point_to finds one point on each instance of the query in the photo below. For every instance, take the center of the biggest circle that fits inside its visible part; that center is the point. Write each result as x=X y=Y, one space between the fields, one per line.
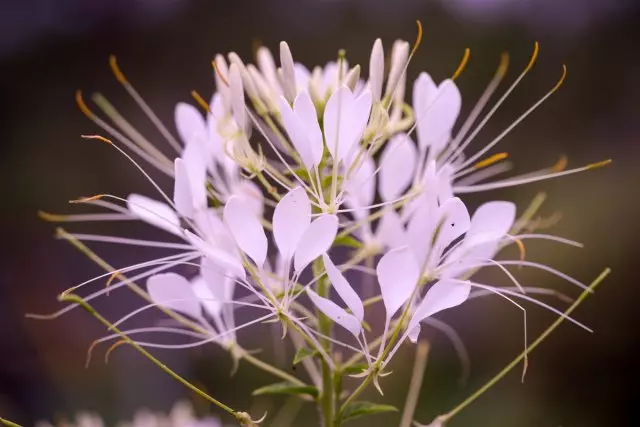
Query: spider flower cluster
x=286 y=165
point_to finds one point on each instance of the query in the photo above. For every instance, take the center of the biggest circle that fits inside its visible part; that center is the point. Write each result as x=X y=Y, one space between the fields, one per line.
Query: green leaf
x=287 y=388
x=357 y=409
x=357 y=368
x=303 y=353
x=348 y=241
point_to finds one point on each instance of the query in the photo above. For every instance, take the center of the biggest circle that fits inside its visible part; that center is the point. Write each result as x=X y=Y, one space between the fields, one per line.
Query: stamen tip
x=113 y=63
x=87 y=199
x=599 y=164
x=98 y=137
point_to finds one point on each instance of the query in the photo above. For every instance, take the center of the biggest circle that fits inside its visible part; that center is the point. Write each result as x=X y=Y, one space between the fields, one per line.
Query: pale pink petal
x=308 y=119
x=227 y=261
x=376 y=70
x=246 y=229
x=454 y=221
x=390 y=231
x=357 y=119
x=211 y=304
x=336 y=313
x=154 y=212
x=361 y=187
x=343 y=288
x=492 y=219
x=424 y=92
x=291 y=218
x=442 y=295
x=398 y=275
x=337 y=121
x=316 y=240
x=297 y=133
x=173 y=291
x=251 y=194
x=194 y=157
x=190 y=123
x=398 y=163
x=182 y=195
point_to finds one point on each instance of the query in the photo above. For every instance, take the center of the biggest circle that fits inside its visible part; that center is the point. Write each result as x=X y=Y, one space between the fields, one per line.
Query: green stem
x=419 y=365
x=77 y=300
x=9 y=423
x=446 y=417
x=324 y=327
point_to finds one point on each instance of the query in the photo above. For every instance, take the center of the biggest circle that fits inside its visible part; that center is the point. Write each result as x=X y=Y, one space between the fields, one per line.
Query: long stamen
x=531 y=109
x=162 y=166
x=128 y=241
x=463 y=64
x=519 y=181
x=500 y=101
x=144 y=173
x=84 y=217
x=501 y=71
x=143 y=105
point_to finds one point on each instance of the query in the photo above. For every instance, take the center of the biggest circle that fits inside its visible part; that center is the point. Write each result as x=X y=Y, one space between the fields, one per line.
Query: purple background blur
x=48 y=49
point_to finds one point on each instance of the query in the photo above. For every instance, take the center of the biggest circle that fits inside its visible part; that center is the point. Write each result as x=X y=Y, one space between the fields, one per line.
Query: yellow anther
x=200 y=101
x=599 y=164
x=116 y=70
x=463 y=63
x=51 y=217
x=87 y=199
x=98 y=137
x=416 y=44
x=83 y=106
x=490 y=160
x=217 y=70
x=534 y=56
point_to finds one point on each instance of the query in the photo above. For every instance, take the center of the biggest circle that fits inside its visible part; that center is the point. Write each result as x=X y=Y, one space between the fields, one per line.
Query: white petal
x=343 y=288
x=303 y=75
x=225 y=260
x=210 y=303
x=297 y=134
x=308 y=118
x=173 y=291
x=182 y=196
x=390 y=231
x=194 y=157
x=237 y=97
x=357 y=121
x=361 y=187
x=291 y=218
x=398 y=162
x=189 y=122
x=398 y=276
x=442 y=295
x=492 y=219
x=424 y=92
x=154 y=212
x=335 y=313
x=345 y=118
x=436 y=112
x=250 y=193
x=454 y=220
x=376 y=70
x=246 y=229
x=288 y=72
x=316 y=240
x=414 y=333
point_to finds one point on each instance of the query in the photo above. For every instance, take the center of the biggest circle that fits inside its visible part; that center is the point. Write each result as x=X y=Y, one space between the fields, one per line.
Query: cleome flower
x=284 y=169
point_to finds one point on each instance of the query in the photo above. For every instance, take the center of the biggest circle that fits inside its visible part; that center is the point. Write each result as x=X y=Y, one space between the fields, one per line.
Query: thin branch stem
x=417 y=376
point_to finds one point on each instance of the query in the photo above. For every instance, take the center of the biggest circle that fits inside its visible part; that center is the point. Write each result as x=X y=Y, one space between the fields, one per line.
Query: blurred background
x=48 y=49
